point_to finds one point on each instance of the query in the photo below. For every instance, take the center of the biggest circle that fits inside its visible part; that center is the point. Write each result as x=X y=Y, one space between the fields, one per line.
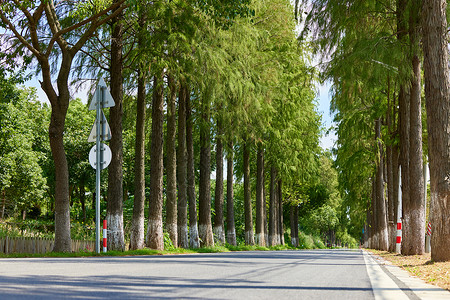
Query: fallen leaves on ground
x=436 y=273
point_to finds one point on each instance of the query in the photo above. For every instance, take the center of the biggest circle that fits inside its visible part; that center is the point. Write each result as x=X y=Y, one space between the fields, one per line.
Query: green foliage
x=28 y=228
x=168 y=245
x=85 y=9
x=366 y=52
x=82 y=231
x=347 y=239
x=21 y=175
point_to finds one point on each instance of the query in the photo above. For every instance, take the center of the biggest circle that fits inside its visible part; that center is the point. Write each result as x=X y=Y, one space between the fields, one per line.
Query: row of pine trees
x=231 y=74
x=380 y=55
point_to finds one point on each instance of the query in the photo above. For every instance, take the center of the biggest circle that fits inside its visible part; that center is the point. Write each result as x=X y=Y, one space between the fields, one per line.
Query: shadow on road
x=125 y=287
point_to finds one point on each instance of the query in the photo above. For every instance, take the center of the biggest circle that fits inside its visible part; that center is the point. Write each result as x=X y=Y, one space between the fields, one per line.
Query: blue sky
x=324 y=98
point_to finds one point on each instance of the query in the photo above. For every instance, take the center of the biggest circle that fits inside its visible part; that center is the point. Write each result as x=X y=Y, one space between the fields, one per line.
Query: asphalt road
x=317 y=274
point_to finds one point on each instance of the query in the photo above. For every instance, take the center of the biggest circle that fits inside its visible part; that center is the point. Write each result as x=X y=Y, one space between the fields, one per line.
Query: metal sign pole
x=97 y=173
x=100 y=155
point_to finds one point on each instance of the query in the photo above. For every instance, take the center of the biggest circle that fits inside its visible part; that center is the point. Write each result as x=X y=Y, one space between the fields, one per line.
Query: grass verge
x=146 y=251
x=436 y=273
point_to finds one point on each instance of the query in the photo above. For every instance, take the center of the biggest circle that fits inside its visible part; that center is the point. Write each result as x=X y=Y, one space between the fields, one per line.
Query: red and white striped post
x=428 y=239
x=399 y=237
x=104 y=236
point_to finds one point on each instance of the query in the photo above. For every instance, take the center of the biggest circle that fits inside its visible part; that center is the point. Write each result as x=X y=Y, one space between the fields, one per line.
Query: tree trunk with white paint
x=249 y=238
x=155 y=238
x=137 y=234
x=219 y=231
x=183 y=240
x=437 y=93
x=193 y=229
x=171 y=161
x=231 y=231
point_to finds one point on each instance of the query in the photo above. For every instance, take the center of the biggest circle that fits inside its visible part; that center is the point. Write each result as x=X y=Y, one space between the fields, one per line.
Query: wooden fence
x=38 y=245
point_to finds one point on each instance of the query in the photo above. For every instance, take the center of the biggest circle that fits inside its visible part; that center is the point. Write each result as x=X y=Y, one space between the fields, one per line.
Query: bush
x=318 y=243
x=168 y=245
x=82 y=231
x=305 y=241
x=27 y=228
x=347 y=240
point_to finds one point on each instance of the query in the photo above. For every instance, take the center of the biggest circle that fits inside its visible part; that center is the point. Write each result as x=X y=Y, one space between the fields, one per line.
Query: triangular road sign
x=101 y=94
x=105 y=131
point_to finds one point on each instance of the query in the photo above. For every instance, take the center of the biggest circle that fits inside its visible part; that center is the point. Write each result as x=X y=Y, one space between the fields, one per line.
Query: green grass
x=146 y=251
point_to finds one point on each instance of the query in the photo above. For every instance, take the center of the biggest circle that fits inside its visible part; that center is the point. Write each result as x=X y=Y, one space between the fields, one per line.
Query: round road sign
x=107 y=155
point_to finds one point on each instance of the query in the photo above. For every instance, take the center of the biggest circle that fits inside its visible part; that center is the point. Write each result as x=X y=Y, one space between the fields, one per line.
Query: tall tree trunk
x=62 y=202
x=231 y=231
x=280 y=212
x=183 y=240
x=435 y=43
x=137 y=234
x=204 y=201
x=390 y=173
x=219 y=230
x=403 y=99
x=171 y=169
x=249 y=238
x=294 y=225
x=273 y=220
x=60 y=105
x=155 y=239
x=404 y=153
x=413 y=242
x=260 y=235
x=114 y=210
x=382 y=227
x=414 y=214
x=193 y=229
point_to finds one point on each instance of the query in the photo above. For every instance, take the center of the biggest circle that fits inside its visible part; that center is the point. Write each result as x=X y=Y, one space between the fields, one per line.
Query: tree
x=155 y=239
x=260 y=202
x=171 y=168
x=435 y=37
x=231 y=229
x=193 y=227
x=182 y=167
x=204 y=202
x=22 y=179
x=114 y=211
x=380 y=212
x=249 y=237
x=413 y=241
x=355 y=33
x=42 y=48
x=137 y=224
x=219 y=230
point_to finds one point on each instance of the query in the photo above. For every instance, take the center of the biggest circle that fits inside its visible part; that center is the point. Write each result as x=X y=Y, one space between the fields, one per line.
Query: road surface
x=312 y=274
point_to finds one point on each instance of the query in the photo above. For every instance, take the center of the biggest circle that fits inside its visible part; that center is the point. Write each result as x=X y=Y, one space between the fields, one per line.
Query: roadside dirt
x=436 y=273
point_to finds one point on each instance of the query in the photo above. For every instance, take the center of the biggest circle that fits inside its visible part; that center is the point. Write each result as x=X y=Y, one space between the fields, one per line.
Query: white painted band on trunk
x=219 y=234
x=193 y=237
x=294 y=241
x=115 y=233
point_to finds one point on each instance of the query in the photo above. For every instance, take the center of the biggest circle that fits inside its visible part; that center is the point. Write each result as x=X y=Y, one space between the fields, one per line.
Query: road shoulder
x=418 y=287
